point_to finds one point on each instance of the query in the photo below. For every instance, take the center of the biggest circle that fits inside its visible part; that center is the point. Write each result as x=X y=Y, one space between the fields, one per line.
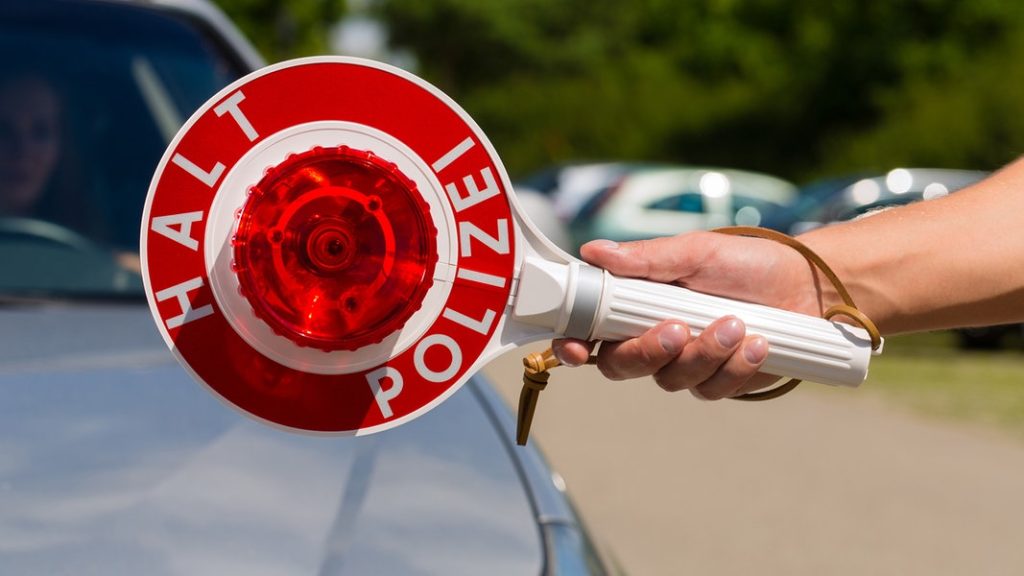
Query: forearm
x=954 y=261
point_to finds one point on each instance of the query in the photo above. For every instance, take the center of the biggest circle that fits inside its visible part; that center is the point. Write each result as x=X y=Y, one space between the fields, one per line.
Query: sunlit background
x=656 y=117
x=797 y=89
x=619 y=120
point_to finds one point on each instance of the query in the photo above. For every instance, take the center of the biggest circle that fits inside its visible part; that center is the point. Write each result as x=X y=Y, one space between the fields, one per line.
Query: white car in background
x=572 y=185
x=669 y=201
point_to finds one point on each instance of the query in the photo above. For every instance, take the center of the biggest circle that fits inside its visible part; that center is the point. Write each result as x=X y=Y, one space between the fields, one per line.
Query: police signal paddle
x=332 y=245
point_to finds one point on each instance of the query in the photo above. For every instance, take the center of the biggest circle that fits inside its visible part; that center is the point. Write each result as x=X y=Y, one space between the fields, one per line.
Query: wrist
x=859 y=271
x=812 y=293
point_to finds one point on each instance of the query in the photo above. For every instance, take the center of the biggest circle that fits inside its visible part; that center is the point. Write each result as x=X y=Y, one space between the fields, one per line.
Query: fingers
x=716 y=364
x=723 y=361
x=644 y=355
x=735 y=376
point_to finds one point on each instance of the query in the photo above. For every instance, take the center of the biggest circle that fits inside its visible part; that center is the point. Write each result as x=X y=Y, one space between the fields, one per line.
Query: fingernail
x=604 y=244
x=672 y=338
x=562 y=360
x=696 y=394
x=729 y=333
x=756 y=350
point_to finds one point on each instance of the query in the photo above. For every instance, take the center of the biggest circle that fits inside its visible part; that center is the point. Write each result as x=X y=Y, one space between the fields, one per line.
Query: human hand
x=723 y=361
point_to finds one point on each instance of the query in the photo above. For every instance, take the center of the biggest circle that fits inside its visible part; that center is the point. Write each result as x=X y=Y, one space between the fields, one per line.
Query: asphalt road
x=821 y=482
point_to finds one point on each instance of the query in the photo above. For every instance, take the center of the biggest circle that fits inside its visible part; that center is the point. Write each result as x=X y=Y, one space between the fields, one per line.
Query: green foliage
x=968 y=116
x=798 y=88
x=283 y=29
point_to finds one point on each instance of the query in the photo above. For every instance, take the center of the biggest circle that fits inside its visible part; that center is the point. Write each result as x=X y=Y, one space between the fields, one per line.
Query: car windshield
x=89 y=100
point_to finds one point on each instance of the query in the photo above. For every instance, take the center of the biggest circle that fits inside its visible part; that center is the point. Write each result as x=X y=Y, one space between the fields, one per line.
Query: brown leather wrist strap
x=538 y=364
x=848 y=308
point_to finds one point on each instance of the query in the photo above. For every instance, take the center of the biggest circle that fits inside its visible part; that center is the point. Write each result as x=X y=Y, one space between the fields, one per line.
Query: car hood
x=113 y=461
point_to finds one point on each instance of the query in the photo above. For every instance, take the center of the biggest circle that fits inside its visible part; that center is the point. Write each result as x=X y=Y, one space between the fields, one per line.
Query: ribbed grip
x=799 y=346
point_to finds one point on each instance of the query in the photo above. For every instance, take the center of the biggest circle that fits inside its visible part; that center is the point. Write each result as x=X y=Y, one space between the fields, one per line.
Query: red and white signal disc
x=328 y=245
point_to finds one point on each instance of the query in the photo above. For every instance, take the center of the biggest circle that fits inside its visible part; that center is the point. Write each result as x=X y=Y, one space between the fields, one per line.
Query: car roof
x=655 y=183
x=210 y=15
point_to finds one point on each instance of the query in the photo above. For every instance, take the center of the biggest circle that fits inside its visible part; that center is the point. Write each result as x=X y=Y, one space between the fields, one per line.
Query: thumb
x=667 y=259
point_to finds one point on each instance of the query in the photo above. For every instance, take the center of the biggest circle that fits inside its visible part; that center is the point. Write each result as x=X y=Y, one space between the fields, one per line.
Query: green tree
x=283 y=29
x=794 y=87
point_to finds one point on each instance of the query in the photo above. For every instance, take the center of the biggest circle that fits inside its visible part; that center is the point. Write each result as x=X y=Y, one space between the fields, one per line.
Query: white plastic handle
x=595 y=305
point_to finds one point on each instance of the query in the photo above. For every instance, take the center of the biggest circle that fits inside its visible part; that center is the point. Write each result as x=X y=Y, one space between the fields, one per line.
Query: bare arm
x=950 y=262
x=955 y=261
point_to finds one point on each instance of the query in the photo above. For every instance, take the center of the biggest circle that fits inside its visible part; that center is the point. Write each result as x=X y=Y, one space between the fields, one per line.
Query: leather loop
x=848 y=308
x=771 y=393
x=858 y=317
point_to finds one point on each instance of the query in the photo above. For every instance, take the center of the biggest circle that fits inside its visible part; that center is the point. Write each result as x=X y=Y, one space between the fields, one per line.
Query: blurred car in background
x=809 y=198
x=668 y=201
x=112 y=460
x=844 y=198
x=570 y=186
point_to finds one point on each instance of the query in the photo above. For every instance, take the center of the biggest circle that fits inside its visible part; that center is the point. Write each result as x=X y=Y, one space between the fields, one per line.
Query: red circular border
x=276 y=99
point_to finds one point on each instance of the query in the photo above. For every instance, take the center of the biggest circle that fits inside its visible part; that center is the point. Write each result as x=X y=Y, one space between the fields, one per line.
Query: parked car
x=809 y=198
x=570 y=186
x=843 y=198
x=112 y=460
x=668 y=201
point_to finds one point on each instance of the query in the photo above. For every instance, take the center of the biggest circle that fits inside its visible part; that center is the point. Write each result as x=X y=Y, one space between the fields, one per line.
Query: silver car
x=112 y=461
x=667 y=201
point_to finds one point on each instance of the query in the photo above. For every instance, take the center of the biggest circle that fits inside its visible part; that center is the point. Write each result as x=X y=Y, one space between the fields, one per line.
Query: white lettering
x=209 y=178
x=473 y=195
x=481 y=277
x=479 y=326
x=437 y=340
x=452 y=155
x=231 y=107
x=380 y=394
x=165 y=226
x=180 y=292
x=469 y=231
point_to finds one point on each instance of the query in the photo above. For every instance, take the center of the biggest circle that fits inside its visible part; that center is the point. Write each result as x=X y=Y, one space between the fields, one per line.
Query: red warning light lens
x=335 y=248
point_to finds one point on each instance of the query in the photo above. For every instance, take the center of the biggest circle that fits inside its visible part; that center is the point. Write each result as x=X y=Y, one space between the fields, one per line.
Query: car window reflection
x=86 y=112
